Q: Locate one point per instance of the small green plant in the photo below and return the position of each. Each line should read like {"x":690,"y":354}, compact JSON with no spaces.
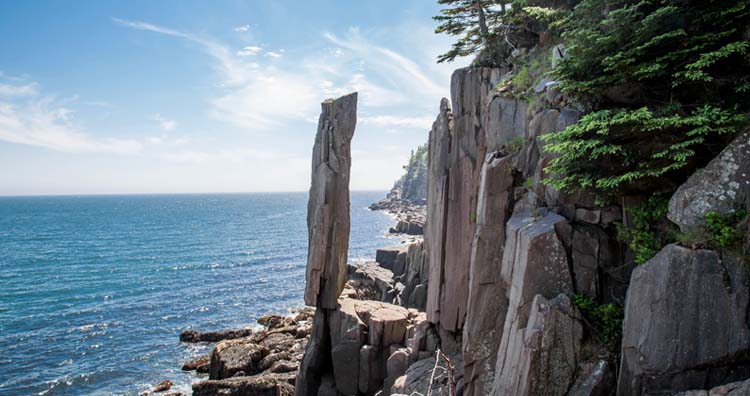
{"x":528,"y":183}
{"x":473,"y":217}
{"x":724,"y":229}
{"x":605,"y":319}
{"x":718,"y":231}
{"x":514,"y":145}
{"x":521,"y":82}
{"x":643,"y":237}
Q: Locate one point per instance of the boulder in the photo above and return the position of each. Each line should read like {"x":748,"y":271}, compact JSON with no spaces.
{"x":370,"y":280}
{"x":741,"y":388}
{"x":543,"y":359}
{"x":417,"y":379}
{"x":273,"y":321}
{"x":595,"y":378}
{"x":328,"y":206}
{"x":396,"y":366}
{"x":685,"y":323}
{"x":386,"y":323}
{"x":266,"y":384}
{"x":232,"y":356}
{"x":194,"y":336}
{"x":392,"y":258}
{"x":201,"y":364}
{"x":721,"y":186}
{"x":163,"y":386}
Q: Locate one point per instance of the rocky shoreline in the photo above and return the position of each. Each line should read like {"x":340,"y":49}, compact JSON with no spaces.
{"x":266,"y":361}
{"x":410,"y":216}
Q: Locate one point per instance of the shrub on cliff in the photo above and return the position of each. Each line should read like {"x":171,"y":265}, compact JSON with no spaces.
{"x":667,"y":80}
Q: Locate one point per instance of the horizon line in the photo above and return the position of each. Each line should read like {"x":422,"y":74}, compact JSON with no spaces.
{"x":41,"y":195}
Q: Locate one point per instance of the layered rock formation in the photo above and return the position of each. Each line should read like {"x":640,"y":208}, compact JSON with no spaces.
{"x":328,"y":206}
{"x":505,"y":255}
{"x":328,"y":230}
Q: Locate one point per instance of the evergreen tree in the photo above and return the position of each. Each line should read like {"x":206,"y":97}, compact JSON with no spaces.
{"x":471,"y":20}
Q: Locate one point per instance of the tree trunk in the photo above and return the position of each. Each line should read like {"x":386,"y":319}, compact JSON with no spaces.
{"x":482,"y":22}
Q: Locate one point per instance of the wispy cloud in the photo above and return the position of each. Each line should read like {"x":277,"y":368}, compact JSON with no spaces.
{"x":395,"y":121}
{"x":8,"y":90}
{"x":166,"y":124}
{"x":41,"y":120}
{"x":242,"y":29}
{"x":250,"y":50}
{"x":262,"y":94}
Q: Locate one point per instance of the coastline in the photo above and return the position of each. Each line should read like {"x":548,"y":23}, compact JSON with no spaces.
{"x":259,"y":357}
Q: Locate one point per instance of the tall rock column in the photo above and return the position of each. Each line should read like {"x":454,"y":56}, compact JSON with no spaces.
{"x":454,"y":211}
{"x":328,"y":205}
{"x":328,"y":232}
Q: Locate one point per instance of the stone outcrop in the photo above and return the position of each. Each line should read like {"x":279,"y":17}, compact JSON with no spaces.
{"x":194,"y":336}
{"x":371,"y":281}
{"x":544,"y":359}
{"x":456,"y":177}
{"x":686,"y":323}
{"x":328,"y":206}
{"x":740,"y":388}
{"x":534,"y":263}
{"x":487,"y":290}
{"x":721,"y":186}
{"x":234,"y":356}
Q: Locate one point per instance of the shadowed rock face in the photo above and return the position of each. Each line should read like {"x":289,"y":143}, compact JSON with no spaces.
{"x":721,"y":185}
{"x":487,"y":291}
{"x":328,"y":206}
{"x":535,"y":266}
{"x":685,"y":323}
{"x":454,"y":173}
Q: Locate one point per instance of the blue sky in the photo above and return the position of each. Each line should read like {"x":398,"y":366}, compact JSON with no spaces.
{"x":197,"y":96}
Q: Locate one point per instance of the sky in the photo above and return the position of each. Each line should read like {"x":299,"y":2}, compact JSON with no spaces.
{"x":109,"y":97}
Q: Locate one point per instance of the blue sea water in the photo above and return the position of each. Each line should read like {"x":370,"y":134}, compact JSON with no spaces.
{"x":94,"y":290}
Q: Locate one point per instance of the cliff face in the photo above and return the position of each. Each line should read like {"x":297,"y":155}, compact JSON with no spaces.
{"x":513,"y":275}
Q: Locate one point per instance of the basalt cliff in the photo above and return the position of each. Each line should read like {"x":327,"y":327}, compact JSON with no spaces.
{"x":514,"y":287}
{"x":517,"y":288}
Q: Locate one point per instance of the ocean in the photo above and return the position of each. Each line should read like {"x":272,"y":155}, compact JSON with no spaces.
{"x":95,"y":290}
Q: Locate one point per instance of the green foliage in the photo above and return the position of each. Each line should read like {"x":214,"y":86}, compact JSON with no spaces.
{"x":469,"y":20}
{"x":606,"y":319}
{"x":514,"y":145}
{"x":608,"y":150}
{"x":718,"y":231}
{"x":686,"y":65}
{"x":483,"y":26}
{"x":528,"y":183}
{"x":724,"y":229}
{"x":521,"y":81}
{"x":643,"y":237}
{"x":413,"y":183}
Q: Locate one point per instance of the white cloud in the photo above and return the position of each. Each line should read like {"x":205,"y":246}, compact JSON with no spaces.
{"x":396,"y":121}
{"x":8,"y":90}
{"x":391,"y":63}
{"x":261,"y":95}
{"x":43,"y":122}
{"x":242,"y":29}
{"x":249,"y":51}
{"x":166,"y":124}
